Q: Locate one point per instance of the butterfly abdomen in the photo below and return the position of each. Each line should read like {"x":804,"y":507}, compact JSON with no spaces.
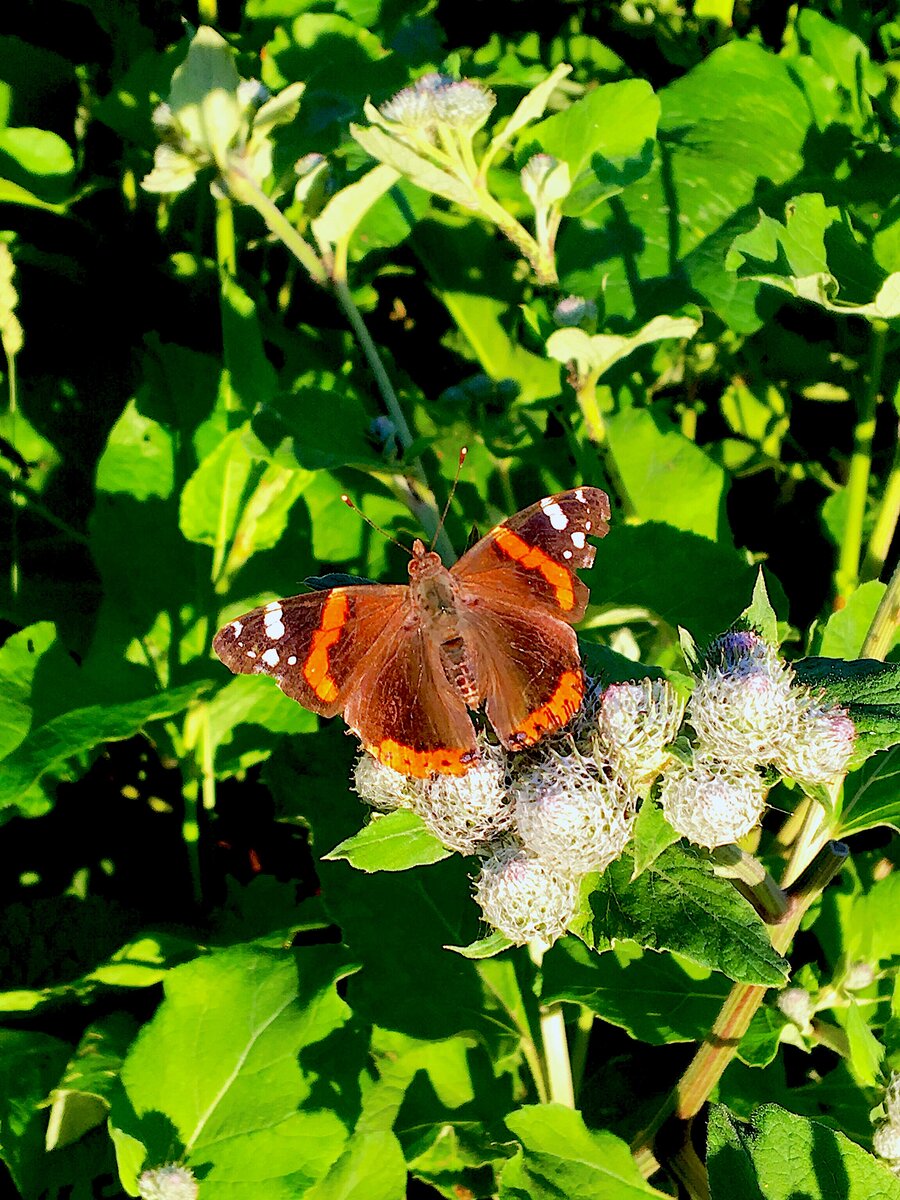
{"x":459,"y":672}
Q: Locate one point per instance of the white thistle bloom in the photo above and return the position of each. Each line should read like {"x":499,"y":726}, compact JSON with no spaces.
{"x":574,"y":819}
{"x":886,"y":1144}
{"x":171,"y":1182}
{"x":712,"y":804}
{"x":743,"y":707}
{"x":524,"y":900}
{"x":411,"y":108}
{"x":821,"y":746}
{"x":462,"y":104}
{"x":636,"y":723}
{"x":384,"y":788}
{"x":465,"y":811}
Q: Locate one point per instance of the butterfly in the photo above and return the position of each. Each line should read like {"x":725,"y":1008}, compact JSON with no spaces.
{"x":405,"y":662}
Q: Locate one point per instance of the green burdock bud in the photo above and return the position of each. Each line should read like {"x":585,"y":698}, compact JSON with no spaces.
{"x":384,"y":788}
{"x":545,"y":180}
{"x":465,"y":812}
{"x":410,"y":108}
{"x":171,"y":1182}
{"x":796,"y":1004}
{"x":523,"y":898}
{"x":743,"y":707}
{"x":886,"y":1140}
{"x":859,"y":976}
{"x":712,"y":804}
{"x":576,"y":312}
{"x":571,"y":816}
{"x":636,"y":724}
{"x":822,"y":744}
{"x":464,"y":105}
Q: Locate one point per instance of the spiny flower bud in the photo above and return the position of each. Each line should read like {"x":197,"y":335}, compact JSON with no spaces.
{"x":636,"y":724}
{"x":711,"y":804}
{"x":796,"y":1004}
{"x":384,"y":788}
{"x":462,"y":104}
{"x":743,"y":707}
{"x":573,"y":818}
{"x":886,"y":1144}
{"x":860,"y":975}
{"x":545,"y":180}
{"x":523,"y":899}
{"x":410,"y":107}
{"x":466,"y":811}
{"x":821,"y":746}
{"x":574,"y":311}
{"x":170,"y":1182}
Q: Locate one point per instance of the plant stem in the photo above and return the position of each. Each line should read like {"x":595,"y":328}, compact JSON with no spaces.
{"x":847,"y":573}
{"x":754,"y":880}
{"x":580,"y":1044}
{"x":586,"y":395}
{"x":556,"y":1056}
{"x":226,"y":259}
{"x":14,"y":498}
{"x":885,"y":522}
{"x":883,"y":629}
{"x":248,"y":192}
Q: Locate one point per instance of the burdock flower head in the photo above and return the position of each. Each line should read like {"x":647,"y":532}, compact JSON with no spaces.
{"x":636,"y":724}
{"x":435,"y":99}
{"x":822,"y":744}
{"x":886,"y":1140}
{"x":571,"y":816}
{"x":523,"y":898}
{"x":712,"y":804}
{"x":171,"y":1182}
{"x":743,"y":707}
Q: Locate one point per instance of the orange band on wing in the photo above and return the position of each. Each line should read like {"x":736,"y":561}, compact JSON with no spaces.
{"x":316,"y":668}
{"x":422,"y":763}
{"x":559,"y":578}
{"x":561,"y":707}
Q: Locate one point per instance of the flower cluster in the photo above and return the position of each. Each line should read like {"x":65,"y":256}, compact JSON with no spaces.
{"x":171,"y":1182}
{"x":436,"y":100}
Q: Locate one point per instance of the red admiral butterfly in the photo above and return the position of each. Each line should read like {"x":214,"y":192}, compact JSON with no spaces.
{"x":403,"y":663}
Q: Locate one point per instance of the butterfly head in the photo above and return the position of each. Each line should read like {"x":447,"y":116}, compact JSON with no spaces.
{"x":424,"y":564}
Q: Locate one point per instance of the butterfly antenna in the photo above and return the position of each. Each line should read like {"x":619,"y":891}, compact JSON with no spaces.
{"x":437,"y":533}
{"x":368,"y":520}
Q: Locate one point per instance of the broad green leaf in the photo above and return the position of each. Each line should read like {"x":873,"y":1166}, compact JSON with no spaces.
{"x":595,"y":354}
{"x":780,"y":1156}
{"x":652,"y":835}
{"x":679,"y":904}
{"x":561,"y":1158}
{"x":257,"y":702}
{"x":665,"y":475}
{"x":760,"y":615}
{"x":792,"y":256}
{"x":30,"y":1065}
{"x":393,"y":842}
{"x":139,"y":458}
{"x":278,"y":110}
{"x":870,"y":692}
{"x":606,"y":138}
{"x":19,"y":658}
{"x":346,"y":208}
{"x":669,"y":572}
{"x":251,"y":377}
{"x":371,"y":1168}
{"x":657,"y":998}
{"x":486,"y":947}
{"x":872,"y":795}
{"x":46,"y":748}
{"x":204,"y":94}
{"x":225,"y":1073}
{"x":413,"y":166}
{"x":14,"y":193}
{"x":866,"y":1052}
{"x":844,"y":632}
{"x":300,"y":428}
{"x":866,"y":922}
{"x":530,"y":108}
{"x":37,"y":160}
{"x":81,"y":1100}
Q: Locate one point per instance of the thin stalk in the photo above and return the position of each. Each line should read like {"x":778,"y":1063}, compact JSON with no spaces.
{"x":885,"y":522}
{"x":207,"y":762}
{"x":226,"y":260}
{"x":544,"y":266}
{"x":248,"y":192}
{"x":754,"y":880}
{"x":586,"y":395}
{"x":556,"y":1056}
{"x":847,"y":572}
{"x":689,"y":422}
{"x":34,"y":502}
{"x":14,"y":499}
{"x":883,"y":629}
{"x":580,"y":1043}
{"x":190,"y":833}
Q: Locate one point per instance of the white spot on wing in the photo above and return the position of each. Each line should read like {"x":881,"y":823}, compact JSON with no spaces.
{"x":274,"y":631}
{"x":292,"y":660}
{"x":251,"y":654}
{"x":555,"y":514}
{"x":237,"y":627}
{"x":270,"y":658}
{"x":567,"y":553}
{"x":579,"y":495}
{"x":272,"y":605}
{"x":578,"y":540}
{"x":587,"y":526}
{"x":272,"y":619}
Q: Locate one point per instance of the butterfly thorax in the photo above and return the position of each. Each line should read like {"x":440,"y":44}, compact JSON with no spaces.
{"x":436,"y":604}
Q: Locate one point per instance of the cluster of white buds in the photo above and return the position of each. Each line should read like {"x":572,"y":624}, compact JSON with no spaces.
{"x":438,"y":100}
{"x":171,"y":1182}
{"x":886,"y":1140}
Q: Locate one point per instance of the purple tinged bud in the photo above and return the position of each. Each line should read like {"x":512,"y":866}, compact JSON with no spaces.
{"x":712,"y":804}
{"x":524,"y":899}
{"x":575,"y":311}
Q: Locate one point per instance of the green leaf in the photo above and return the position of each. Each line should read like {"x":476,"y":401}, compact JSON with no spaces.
{"x":224,"y":1075}
{"x":792,"y":256}
{"x":666,"y":476}
{"x":606,"y":138}
{"x":595,"y":354}
{"x":561,"y":1158}
{"x":529,"y":108}
{"x":346,"y":208}
{"x":393,"y":842}
{"x":139,"y":459}
{"x":486,"y":947}
{"x":780,"y":1156}
{"x":300,"y":428}
{"x":866,"y":1052}
{"x":844,"y":632}
{"x":679,"y":904}
{"x":36,"y":163}
{"x":872,"y":795}
{"x":652,"y":835}
{"x":204,"y":94}
{"x":371,"y":1168}
{"x":657,"y":998}
{"x":19,"y":658}
{"x":870,"y":692}
{"x":413,"y":166}
{"x":30,"y":1065}
{"x":81,"y":1101}
{"x":46,"y":748}
{"x":760,"y":615}
{"x":251,"y":376}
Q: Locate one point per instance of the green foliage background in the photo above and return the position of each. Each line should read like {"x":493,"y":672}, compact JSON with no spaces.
{"x":185,"y":977}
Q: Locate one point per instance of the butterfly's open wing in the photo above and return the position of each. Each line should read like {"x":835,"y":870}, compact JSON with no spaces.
{"x":405,"y":711}
{"x":531,"y":558}
{"x":314,"y":645}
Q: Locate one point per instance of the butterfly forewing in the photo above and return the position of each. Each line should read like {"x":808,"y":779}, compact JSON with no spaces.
{"x":313,"y":645}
